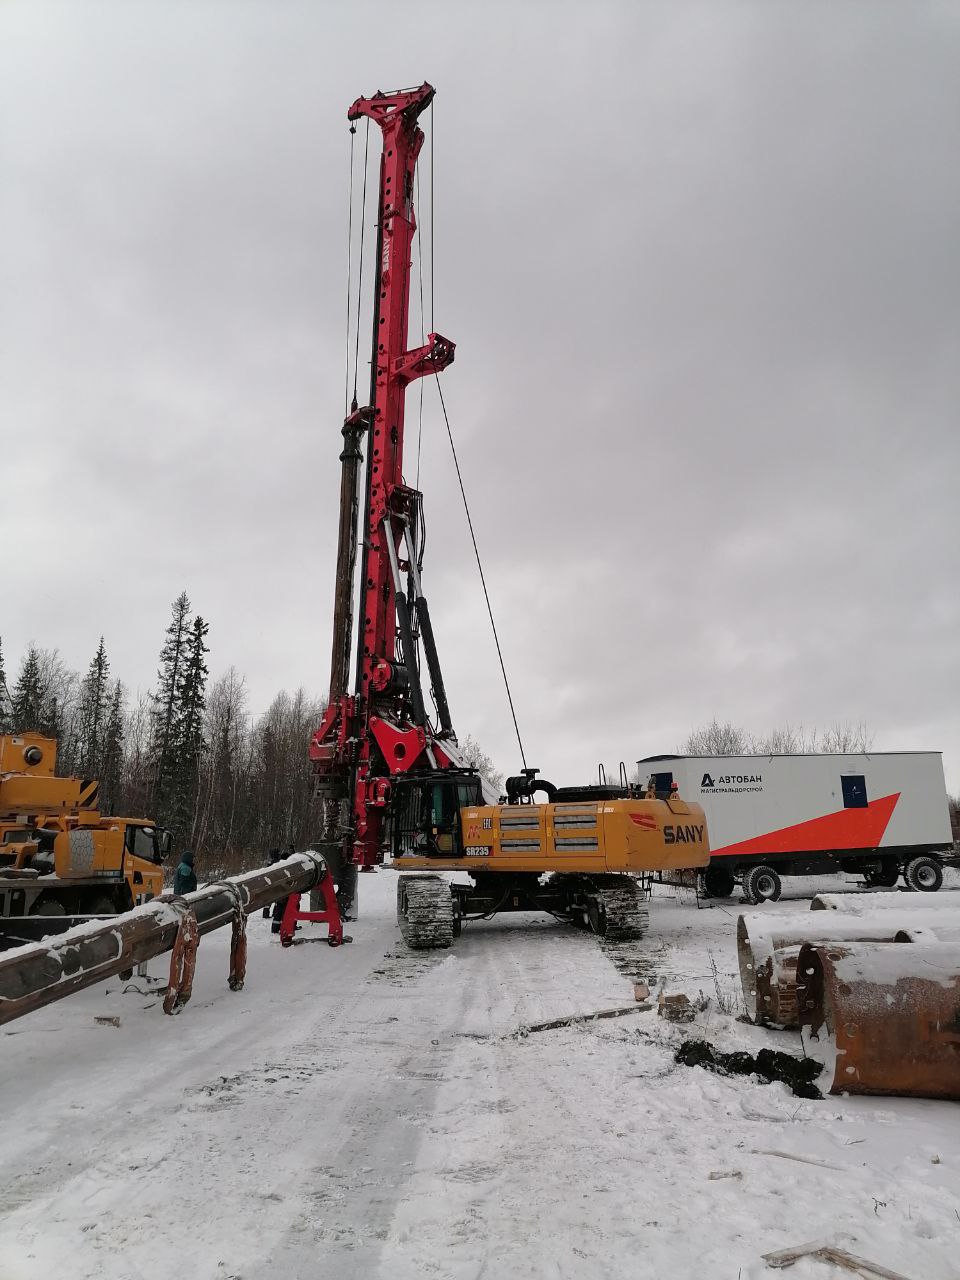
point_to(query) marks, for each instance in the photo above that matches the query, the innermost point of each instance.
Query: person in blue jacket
(185, 878)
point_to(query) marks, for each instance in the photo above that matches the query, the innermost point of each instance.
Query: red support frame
(330, 915)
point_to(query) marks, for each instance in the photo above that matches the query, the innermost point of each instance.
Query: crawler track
(425, 912)
(621, 911)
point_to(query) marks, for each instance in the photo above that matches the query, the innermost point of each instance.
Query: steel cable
(483, 581)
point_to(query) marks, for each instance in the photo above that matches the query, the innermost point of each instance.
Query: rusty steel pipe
(768, 947)
(41, 972)
(944, 900)
(885, 1019)
(933, 931)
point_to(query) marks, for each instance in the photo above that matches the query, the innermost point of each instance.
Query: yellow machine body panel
(28, 785)
(602, 836)
(28, 753)
(102, 848)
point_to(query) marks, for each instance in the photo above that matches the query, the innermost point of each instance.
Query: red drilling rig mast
(382, 728)
(377, 754)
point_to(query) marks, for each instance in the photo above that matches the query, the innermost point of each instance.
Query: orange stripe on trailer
(847, 829)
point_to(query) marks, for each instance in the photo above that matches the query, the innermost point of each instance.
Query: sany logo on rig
(679, 833)
(688, 833)
(732, 782)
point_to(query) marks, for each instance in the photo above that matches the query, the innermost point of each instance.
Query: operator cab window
(854, 791)
(662, 782)
(142, 843)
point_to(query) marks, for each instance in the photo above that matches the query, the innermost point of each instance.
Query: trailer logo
(733, 782)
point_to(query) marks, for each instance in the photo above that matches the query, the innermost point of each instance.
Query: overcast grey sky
(701, 264)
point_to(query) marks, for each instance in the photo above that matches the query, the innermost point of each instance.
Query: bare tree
(786, 740)
(136, 758)
(225, 765)
(728, 739)
(845, 738)
(717, 739)
(473, 755)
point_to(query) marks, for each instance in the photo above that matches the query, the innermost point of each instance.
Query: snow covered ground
(368, 1112)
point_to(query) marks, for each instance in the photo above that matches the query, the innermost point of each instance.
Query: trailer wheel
(718, 882)
(887, 875)
(761, 884)
(924, 875)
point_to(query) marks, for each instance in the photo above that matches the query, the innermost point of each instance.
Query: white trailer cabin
(881, 815)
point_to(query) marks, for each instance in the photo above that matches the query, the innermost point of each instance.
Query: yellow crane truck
(59, 856)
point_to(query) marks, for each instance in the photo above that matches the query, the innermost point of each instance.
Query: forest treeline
(189, 753)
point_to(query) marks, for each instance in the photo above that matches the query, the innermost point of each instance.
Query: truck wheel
(718, 882)
(924, 875)
(102, 905)
(48, 906)
(761, 884)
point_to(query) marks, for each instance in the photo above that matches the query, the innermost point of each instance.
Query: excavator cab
(425, 812)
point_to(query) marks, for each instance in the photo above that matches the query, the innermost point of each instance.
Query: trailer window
(854, 791)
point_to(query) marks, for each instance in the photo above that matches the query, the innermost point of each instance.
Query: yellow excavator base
(604, 836)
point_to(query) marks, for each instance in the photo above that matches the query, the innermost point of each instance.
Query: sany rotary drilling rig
(392, 779)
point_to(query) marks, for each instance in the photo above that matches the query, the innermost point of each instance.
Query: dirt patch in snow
(767, 1065)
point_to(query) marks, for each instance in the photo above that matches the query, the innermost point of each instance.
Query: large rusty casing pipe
(930, 931)
(768, 947)
(41, 972)
(885, 1019)
(945, 900)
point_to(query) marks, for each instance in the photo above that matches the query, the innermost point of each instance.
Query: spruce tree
(92, 714)
(165, 707)
(29, 695)
(191, 704)
(111, 764)
(6, 703)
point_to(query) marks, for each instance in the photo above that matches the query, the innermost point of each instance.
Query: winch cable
(363, 228)
(483, 581)
(456, 460)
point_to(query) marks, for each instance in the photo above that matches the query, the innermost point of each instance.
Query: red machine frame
(381, 728)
